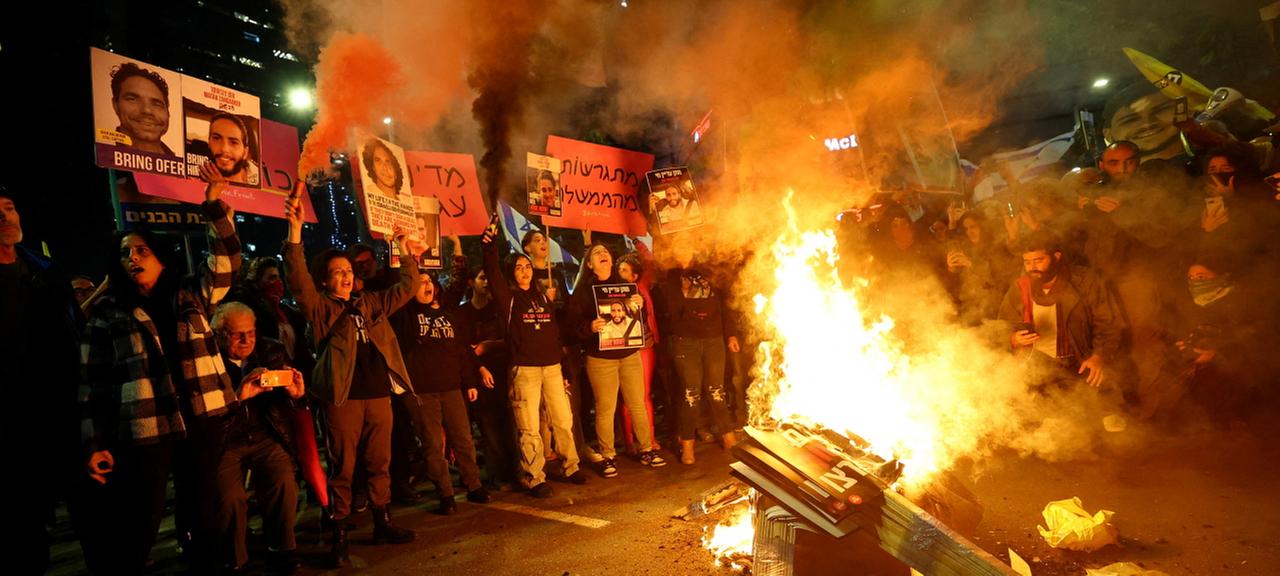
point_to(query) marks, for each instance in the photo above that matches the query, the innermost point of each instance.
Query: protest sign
(279, 158)
(452, 179)
(542, 183)
(621, 309)
(137, 116)
(427, 215)
(388, 203)
(222, 126)
(673, 200)
(601, 186)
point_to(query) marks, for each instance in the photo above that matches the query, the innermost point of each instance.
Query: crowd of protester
(348, 380)
(363, 379)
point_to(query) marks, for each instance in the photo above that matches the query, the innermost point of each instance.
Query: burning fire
(731, 542)
(824, 363)
(829, 366)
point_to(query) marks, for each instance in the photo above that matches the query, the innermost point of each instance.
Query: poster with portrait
(137, 115)
(621, 308)
(426, 213)
(388, 202)
(673, 201)
(542, 181)
(223, 126)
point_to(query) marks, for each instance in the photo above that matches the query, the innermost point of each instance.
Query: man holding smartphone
(1072, 323)
(259, 438)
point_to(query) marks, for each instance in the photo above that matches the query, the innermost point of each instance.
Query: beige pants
(531, 387)
(607, 377)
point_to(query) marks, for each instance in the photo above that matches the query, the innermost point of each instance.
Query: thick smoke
(779, 76)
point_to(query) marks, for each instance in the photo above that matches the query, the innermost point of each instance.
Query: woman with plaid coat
(152, 376)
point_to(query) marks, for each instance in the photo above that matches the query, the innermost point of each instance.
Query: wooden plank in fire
(831, 493)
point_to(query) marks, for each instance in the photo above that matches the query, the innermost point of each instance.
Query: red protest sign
(452, 179)
(601, 186)
(279, 159)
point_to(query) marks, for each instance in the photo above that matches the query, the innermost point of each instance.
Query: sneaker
(579, 477)
(479, 495)
(359, 502)
(608, 468)
(542, 490)
(705, 436)
(594, 457)
(652, 459)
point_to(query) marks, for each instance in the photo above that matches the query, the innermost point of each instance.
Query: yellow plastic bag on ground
(1070, 527)
(1122, 569)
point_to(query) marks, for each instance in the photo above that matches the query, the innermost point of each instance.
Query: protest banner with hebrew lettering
(279, 159)
(601, 186)
(451, 179)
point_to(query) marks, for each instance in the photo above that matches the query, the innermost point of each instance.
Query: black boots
(338, 544)
(386, 532)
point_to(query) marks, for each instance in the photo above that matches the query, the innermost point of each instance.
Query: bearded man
(229, 149)
(1062, 315)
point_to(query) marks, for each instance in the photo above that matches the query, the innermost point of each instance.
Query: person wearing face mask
(262, 288)
(611, 370)
(1226, 339)
(152, 377)
(699, 328)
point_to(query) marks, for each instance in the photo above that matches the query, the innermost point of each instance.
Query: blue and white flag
(1026, 164)
(515, 225)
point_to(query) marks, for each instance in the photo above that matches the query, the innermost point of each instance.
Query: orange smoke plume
(354, 77)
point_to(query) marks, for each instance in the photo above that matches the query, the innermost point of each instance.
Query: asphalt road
(620, 525)
(1188, 500)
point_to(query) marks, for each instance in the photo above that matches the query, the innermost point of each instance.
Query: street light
(1101, 83)
(391, 130)
(300, 99)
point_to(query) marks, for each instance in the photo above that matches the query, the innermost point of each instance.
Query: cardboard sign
(601, 186)
(279, 159)
(542, 184)
(426, 212)
(623, 318)
(388, 204)
(673, 200)
(222, 126)
(137, 115)
(451, 179)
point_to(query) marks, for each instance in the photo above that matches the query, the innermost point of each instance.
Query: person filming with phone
(1238, 216)
(259, 439)
(1063, 317)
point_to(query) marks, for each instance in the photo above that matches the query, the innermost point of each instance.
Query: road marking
(550, 515)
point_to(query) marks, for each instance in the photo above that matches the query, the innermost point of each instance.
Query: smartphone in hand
(276, 378)
(1214, 205)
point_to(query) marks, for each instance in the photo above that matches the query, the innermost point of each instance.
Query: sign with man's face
(279, 164)
(542, 182)
(222, 126)
(137, 117)
(1148, 122)
(673, 201)
(622, 309)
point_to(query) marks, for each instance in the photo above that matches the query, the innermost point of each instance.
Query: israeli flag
(1027, 164)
